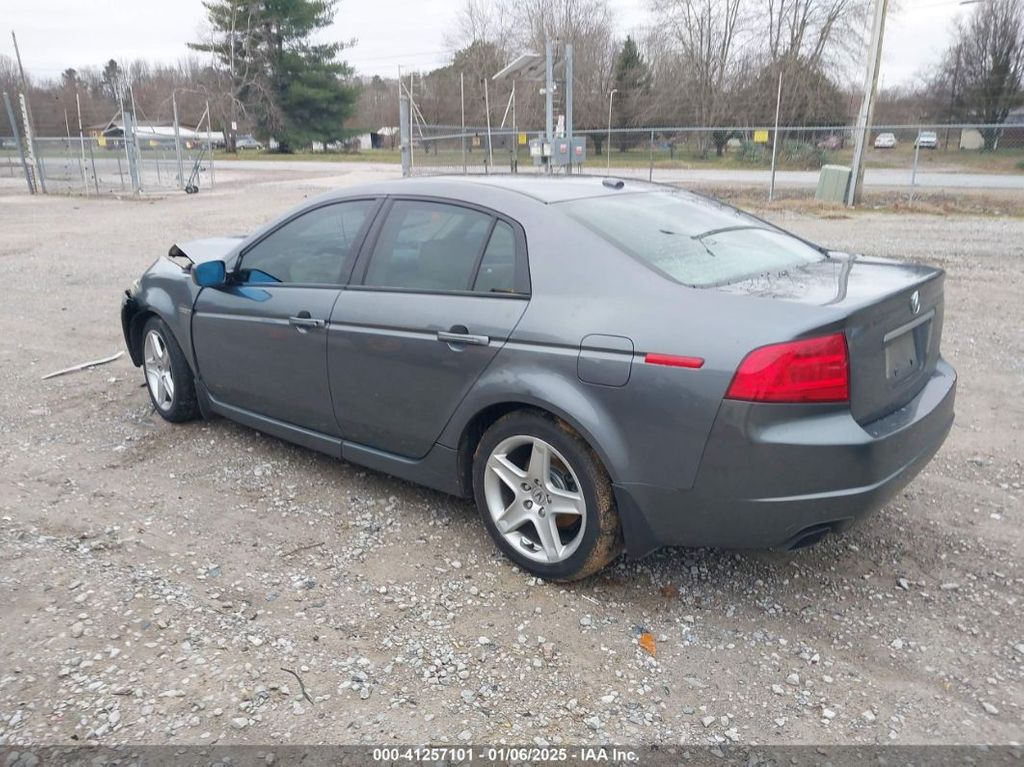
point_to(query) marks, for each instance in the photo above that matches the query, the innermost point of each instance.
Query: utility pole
(232, 138)
(568, 103)
(867, 106)
(953, 91)
(405, 134)
(549, 95)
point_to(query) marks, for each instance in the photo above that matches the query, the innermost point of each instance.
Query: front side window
(425, 245)
(693, 241)
(315, 248)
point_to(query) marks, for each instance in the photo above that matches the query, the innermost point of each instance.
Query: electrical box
(539, 150)
(565, 152)
(833, 183)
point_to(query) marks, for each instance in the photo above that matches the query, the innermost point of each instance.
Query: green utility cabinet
(833, 183)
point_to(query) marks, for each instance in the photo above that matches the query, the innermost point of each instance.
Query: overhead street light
(608, 147)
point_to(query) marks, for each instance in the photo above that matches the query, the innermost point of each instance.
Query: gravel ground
(207, 584)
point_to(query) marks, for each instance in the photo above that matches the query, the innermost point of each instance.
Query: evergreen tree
(298, 90)
(633, 82)
(112, 78)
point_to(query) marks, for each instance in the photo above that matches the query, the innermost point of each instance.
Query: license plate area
(906, 349)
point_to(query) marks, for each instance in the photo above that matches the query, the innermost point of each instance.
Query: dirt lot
(156, 581)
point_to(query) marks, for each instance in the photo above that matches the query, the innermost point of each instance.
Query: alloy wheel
(157, 364)
(535, 499)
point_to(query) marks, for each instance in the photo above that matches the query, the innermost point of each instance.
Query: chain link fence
(900, 157)
(99, 165)
(117, 156)
(448, 149)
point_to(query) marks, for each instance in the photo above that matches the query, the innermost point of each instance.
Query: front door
(441, 291)
(261, 341)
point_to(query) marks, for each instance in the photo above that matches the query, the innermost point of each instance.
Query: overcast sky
(55, 34)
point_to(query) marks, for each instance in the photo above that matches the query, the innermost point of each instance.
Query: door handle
(303, 320)
(451, 337)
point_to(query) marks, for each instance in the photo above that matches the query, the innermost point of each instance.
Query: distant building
(970, 139)
(153, 136)
(386, 137)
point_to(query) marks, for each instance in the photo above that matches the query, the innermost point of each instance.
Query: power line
(940, 4)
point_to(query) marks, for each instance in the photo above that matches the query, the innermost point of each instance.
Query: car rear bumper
(782, 475)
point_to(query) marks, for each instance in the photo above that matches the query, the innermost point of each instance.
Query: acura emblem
(915, 302)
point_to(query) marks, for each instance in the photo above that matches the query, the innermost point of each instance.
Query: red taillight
(811, 370)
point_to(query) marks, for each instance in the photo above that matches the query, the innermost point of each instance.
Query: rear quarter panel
(652, 430)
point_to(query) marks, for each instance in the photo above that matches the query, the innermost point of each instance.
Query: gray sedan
(600, 364)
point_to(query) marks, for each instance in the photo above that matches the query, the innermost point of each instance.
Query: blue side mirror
(209, 274)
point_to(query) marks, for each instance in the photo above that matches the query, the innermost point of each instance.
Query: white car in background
(885, 141)
(928, 139)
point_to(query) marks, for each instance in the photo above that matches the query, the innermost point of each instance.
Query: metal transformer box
(562, 153)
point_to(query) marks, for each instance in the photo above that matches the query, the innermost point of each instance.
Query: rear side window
(436, 246)
(693, 241)
(497, 273)
(315, 248)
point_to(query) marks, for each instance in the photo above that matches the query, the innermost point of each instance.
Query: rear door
(440, 287)
(261, 341)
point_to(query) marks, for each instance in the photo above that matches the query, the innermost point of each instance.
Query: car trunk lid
(893, 321)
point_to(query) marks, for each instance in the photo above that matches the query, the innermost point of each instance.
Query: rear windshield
(689, 239)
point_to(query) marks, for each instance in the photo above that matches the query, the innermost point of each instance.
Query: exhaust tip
(808, 536)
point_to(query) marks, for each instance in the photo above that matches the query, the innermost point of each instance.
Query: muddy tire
(545, 497)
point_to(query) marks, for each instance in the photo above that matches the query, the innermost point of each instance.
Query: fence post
(92, 161)
(81, 145)
(650, 169)
(462, 97)
(913, 173)
(209, 145)
(403, 130)
(33, 157)
(130, 151)
(487, 108)
(17, 140)
(177, 142)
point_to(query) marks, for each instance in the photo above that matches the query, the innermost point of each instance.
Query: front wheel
(545, 497)
(168, 376)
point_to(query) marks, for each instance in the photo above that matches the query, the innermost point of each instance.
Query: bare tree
(820, 33)
(484, 20)
(703, 35)
(377, 106)
(991, 63)
(587, 25)
(9, 80)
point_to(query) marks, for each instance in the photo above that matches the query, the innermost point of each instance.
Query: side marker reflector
(674, 361)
